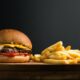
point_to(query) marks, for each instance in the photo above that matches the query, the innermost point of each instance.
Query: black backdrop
(44, 21)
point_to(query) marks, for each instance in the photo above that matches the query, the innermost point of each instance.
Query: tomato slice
(10, 54)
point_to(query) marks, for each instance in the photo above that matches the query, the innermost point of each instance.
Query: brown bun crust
(16, 59)
(13, 35)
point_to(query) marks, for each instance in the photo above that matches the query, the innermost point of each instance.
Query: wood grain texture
(38, 71)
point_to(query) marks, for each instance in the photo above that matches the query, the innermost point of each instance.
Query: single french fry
(52, 61)
(71, 61)
(37, 57)
(68, 47)
(45, 52)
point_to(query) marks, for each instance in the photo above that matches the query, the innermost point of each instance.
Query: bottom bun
(16, 59)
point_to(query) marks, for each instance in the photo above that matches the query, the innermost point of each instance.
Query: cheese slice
(15, 45)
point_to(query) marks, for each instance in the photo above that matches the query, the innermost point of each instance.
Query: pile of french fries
(58, 54)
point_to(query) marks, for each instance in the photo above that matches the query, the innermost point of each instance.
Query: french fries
(74, 53)
(36, 58)
(55, 47)
(58, 54)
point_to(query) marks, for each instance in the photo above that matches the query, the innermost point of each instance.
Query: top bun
(13, 35)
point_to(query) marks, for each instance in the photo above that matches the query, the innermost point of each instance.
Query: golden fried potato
(58, 54)
(53, 61)
(45, 52)
(74, 53)
(78, 60)
(71, 61)
(32, 57)
(55, 47)
(68, 47)
(37, 57)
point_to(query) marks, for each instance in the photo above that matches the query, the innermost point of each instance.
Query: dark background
(44, 21)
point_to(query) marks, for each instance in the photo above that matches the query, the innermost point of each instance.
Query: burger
(15, 46)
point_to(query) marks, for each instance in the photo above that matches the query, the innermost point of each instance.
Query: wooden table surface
(40, 71)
